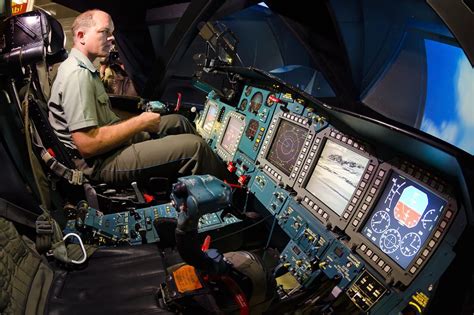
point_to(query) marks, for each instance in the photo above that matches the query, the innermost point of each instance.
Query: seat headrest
(30, 38)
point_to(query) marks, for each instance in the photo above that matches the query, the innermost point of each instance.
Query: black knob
(180, 190)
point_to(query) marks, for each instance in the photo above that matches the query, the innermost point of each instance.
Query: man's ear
(80, 36)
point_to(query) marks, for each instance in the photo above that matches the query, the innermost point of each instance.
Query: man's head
(92, 31)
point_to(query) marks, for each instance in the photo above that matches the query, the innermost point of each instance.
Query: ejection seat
(33, 42)
(120, 280)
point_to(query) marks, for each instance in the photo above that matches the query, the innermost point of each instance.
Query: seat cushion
(24, 277)
(121, 280)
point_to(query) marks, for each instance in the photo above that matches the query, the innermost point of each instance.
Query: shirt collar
(83, 60)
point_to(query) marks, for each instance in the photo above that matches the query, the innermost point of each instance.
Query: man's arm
(98, 140)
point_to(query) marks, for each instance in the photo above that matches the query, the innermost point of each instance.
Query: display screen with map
(403, 218)
(336, 176)
(286, 146)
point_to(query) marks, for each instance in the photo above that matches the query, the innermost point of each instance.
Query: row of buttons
(298, 119)
(370, 196)
(316, 208)
(272, 172)
(358, 193)
(342, 137)
(270, 131)
(427, 178)
(312, 153)
(375, 258)
(301, 157)
(259, 138)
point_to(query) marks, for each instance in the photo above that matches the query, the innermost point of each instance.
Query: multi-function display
(286, 146)
(336, 176)
(403, 218)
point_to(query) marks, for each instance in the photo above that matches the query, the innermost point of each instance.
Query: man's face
(98, 38)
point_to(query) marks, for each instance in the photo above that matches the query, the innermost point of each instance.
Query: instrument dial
(248, 90)
(252, 129)
(256, 102)
(380, 222)
(390, 241)
(243, 104)
(410, 244)
(429, 219)
(270, 101)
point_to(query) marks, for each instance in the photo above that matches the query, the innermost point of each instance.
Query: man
(118, 151)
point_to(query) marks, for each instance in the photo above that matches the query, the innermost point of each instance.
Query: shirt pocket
(103, 99)
(105, 115)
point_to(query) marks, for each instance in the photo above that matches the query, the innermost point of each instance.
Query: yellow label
(421, 299)
(288, 96)
(186, 279)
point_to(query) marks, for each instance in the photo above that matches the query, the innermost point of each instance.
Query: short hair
(84, 20)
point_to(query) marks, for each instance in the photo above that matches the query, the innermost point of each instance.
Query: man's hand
(150, 121)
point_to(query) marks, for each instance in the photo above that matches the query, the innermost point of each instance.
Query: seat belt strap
(17, 214)
(49, 238)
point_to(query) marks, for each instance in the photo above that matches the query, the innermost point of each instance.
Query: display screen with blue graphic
(449, 110)
(403, 218)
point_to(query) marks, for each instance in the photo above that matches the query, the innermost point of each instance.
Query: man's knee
(199, 143)
(176, 124)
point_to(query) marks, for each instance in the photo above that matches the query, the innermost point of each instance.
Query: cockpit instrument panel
(286, 146)
(256, 120)
(334, 177)
(401, 222)
(381, 228)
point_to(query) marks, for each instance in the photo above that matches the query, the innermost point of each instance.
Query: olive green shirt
(78, 99)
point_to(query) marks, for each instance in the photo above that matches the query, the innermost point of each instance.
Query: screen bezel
(316, 206)
(227, 147)
(267, 166)
(274, 139)
(390, 269)
(223, 152)
(379, 207)
(206, 134)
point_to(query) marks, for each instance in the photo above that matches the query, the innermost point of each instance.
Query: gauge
(256, 102)
(410, 244)
(252, 129)
(248, 90)
(243, 104)
(380, 222)
(429, 219)
(270, 100)
(390, 241)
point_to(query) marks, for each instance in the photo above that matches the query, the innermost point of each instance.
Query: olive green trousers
(178, 151)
